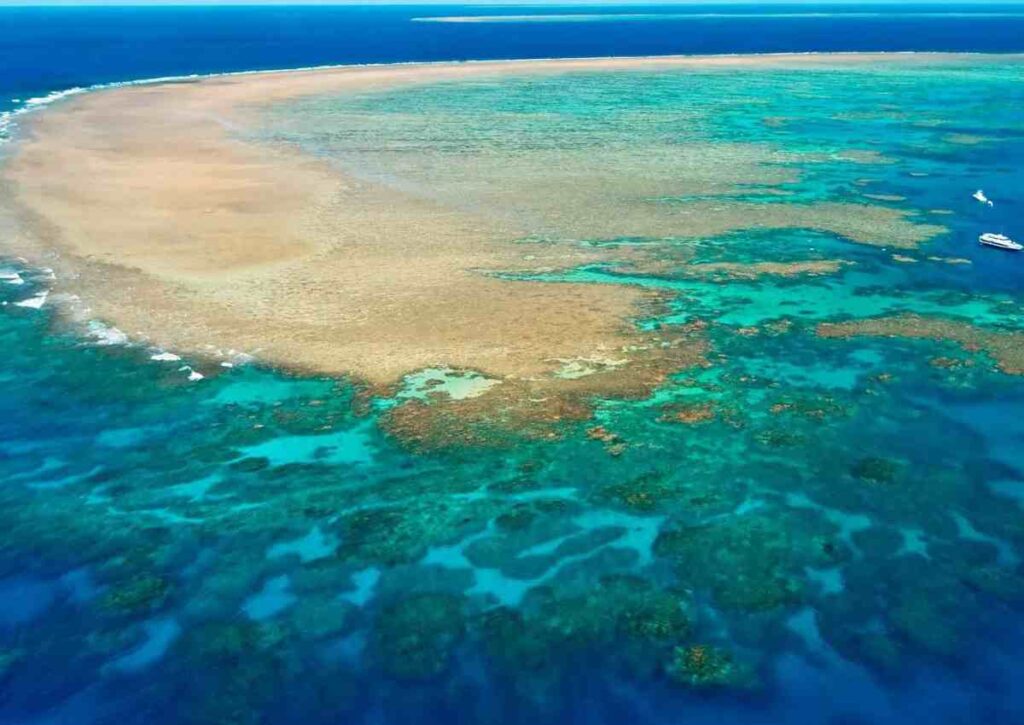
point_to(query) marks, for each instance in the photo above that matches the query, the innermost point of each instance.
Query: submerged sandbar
(171, 222)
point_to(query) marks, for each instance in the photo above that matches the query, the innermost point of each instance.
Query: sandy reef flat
(170, 222)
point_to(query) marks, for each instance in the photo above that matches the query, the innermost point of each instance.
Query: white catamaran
(980, 196)
(1000, 241)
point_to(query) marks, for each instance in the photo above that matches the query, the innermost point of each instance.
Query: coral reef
(1006, 347)
(702, 666)
(414, 637)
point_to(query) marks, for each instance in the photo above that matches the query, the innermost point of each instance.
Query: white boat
(1000, 241)
(980, 196)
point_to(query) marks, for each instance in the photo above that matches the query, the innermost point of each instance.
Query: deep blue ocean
(47, 49)
(239, 549)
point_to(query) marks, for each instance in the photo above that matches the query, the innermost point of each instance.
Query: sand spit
(170, 224)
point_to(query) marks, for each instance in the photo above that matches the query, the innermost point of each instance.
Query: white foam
(235, 357)
(32, 104)
(193, 376)
(104, 334)
(35, 302)
(52, 97)
(11, 277)
(581, 367)
(165, 357)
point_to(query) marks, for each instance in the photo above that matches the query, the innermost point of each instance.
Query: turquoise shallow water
(806, 530)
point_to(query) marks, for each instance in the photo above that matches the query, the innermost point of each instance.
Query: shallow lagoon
(806, 529)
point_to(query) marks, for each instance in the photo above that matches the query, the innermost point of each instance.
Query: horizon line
(497, 4)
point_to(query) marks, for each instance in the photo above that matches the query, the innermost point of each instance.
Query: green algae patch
(922, 621)
(877, 470)
(811, 406)
(414, 638)
(754, 563)
(319, 617)
(235, 668)
(401, 534)
(622, 620)
(141, 593)
(648, 492)
(994, 580)
(519, 518)
(511, 641)
(703, 666)
(780, 438)
(617, 607)
(656, 618)
(9, 658)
